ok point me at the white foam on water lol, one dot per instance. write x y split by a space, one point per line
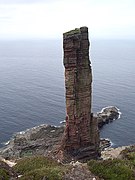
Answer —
62 122
119 112
6 143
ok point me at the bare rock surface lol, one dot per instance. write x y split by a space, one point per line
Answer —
112 153
107 115
80 171
40 140
35 141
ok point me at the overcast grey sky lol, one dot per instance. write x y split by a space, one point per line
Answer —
50 18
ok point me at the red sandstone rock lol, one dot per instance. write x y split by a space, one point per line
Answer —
81 136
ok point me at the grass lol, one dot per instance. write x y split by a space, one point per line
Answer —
48 173
75 31
129 154
116 169
4 174
39 167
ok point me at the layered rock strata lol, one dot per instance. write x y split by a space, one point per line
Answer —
41 140
81 136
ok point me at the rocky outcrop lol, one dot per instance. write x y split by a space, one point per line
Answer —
80 171
104 143
81 136
43 140
107 115
40 140
113 153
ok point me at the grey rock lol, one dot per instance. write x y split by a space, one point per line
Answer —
107 115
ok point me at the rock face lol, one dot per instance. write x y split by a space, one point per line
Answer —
81 136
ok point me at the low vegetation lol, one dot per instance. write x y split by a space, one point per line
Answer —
4 174
116 169
39 167
112 169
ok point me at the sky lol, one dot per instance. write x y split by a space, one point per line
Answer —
51 18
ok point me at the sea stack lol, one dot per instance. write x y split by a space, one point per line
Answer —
81 136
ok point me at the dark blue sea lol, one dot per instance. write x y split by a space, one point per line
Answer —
32 85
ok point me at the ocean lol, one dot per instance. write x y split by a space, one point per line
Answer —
32 85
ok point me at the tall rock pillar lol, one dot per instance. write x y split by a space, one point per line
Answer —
81 137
